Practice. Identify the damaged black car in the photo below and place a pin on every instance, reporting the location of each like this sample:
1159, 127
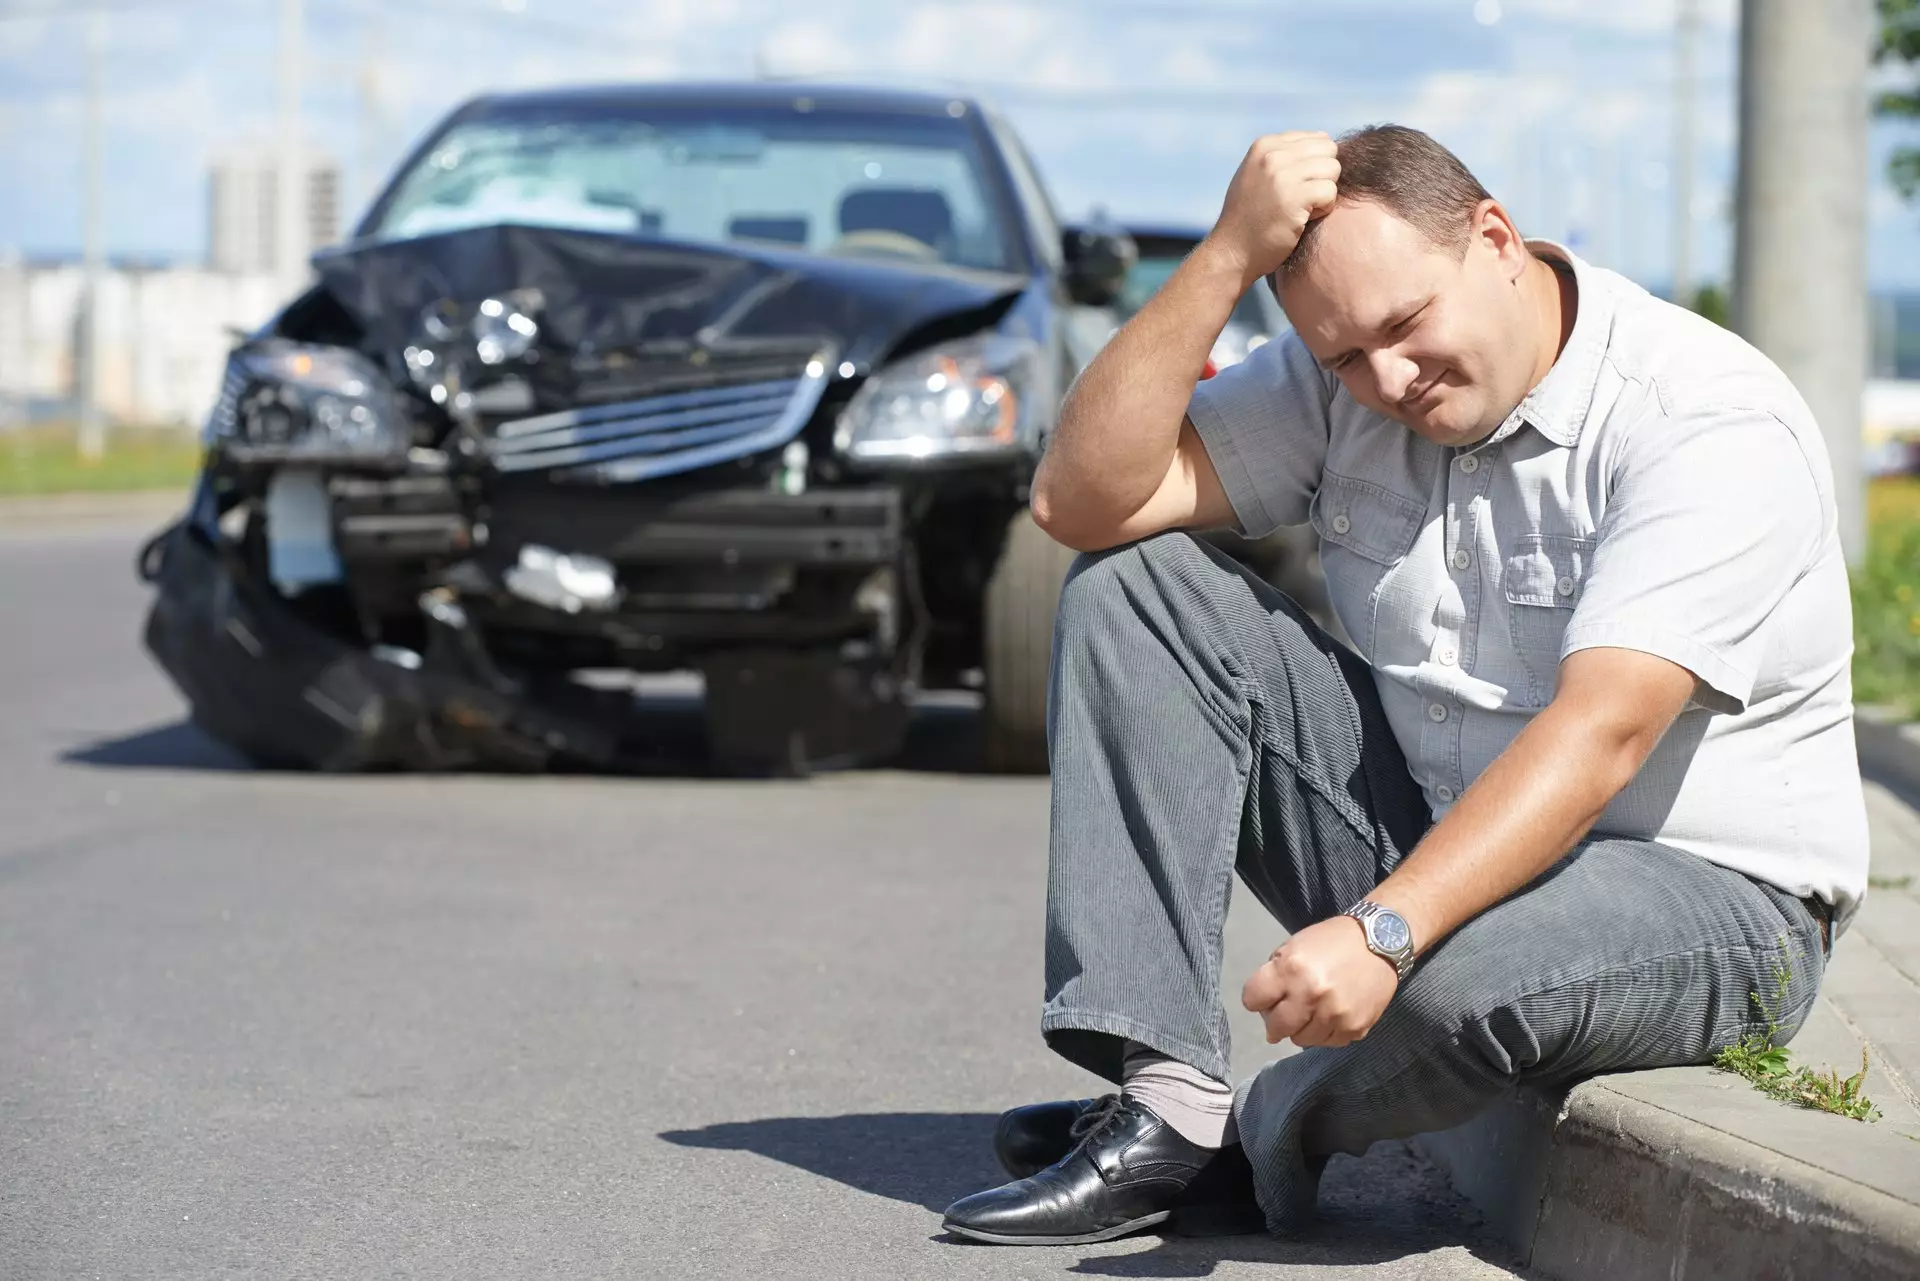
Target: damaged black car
743, 380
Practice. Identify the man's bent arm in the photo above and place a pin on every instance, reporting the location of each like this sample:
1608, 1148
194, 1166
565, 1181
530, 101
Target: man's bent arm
1543, 793
1120, 464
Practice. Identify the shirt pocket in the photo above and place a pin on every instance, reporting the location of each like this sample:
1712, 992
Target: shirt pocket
1544, 577
1364, 532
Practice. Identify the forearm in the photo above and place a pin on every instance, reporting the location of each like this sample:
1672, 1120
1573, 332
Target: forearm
1120, 423
1523, 813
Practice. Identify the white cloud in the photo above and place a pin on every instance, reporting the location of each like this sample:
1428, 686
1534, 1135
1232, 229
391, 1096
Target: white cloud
1646, 16
804, 48
23, 36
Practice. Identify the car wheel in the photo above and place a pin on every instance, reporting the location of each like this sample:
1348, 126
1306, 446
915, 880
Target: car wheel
1017, 623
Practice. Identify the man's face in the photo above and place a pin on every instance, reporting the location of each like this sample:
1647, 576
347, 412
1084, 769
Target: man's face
1436, 342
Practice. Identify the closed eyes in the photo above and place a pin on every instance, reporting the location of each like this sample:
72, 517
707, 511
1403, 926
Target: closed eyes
1395, 329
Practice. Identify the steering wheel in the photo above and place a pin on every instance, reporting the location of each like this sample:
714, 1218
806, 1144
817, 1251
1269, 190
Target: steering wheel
891, 244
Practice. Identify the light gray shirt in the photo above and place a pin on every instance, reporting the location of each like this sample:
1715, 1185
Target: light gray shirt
1663, 489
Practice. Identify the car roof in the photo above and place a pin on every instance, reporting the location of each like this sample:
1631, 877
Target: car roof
1164, 231
739, 93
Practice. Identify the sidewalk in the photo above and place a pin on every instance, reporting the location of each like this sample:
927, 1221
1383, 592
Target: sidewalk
1692, 1173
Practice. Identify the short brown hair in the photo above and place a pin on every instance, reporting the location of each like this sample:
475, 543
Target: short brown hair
1408, 174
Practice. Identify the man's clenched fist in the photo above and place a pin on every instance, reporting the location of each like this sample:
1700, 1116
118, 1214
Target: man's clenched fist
1286, 180
1323, 986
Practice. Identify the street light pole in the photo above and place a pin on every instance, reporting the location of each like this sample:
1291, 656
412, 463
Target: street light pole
1800, 261
86, 365
290, 195
371, 125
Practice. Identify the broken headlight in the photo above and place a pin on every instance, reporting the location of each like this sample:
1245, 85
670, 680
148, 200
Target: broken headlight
961, 400
286, 401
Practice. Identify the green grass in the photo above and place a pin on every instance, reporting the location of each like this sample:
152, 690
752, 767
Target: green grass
1770, 1067
46, 460
1886, 599
1889, 882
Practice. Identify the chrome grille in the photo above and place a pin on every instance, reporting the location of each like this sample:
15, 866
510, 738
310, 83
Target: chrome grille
660, 435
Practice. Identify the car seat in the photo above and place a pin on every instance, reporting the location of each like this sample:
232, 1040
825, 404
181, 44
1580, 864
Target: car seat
920, 213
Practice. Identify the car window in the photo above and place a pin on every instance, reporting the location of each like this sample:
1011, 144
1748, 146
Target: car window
865, 185
1032, 192
1147, 275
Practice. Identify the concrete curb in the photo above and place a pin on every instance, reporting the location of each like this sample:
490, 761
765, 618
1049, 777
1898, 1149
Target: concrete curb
1602, 1184
1889, 750
28, 511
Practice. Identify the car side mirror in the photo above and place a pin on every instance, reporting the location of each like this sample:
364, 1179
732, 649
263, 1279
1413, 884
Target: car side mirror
1098, 260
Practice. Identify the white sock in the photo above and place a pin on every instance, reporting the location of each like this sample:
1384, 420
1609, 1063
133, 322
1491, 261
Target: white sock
1198, 1107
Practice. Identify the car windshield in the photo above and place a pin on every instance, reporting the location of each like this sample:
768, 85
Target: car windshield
850, 184
1151, 271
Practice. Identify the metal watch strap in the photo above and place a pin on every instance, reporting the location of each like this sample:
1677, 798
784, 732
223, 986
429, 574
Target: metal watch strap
1364, 911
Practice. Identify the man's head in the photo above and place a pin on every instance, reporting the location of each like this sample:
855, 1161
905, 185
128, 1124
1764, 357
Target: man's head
1415, 289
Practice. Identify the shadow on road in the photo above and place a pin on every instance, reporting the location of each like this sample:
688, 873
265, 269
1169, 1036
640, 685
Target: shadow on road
1374, 1210
931, 1159
667, 740
178, 746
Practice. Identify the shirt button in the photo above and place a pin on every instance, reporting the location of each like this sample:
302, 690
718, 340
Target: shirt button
1444, 792
1463, 558
1448, 657
1341, 524
1470, 464
1436, 713
1564, 587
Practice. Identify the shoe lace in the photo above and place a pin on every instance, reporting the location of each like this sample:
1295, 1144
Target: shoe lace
1096, 1118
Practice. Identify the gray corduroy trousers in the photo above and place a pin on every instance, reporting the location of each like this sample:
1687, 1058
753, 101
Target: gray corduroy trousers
1202, 725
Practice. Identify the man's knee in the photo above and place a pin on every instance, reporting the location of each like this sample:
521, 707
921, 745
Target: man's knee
1101, 584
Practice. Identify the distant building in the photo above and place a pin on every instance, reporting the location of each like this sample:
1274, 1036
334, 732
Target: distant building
243, 201
164, 336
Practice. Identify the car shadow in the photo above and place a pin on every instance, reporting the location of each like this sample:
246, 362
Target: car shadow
666, 739
1373, 1210
180, 746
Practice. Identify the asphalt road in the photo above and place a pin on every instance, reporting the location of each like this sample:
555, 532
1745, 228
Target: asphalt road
279, 1025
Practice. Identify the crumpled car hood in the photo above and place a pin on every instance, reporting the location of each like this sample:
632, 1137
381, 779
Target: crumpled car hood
604, 293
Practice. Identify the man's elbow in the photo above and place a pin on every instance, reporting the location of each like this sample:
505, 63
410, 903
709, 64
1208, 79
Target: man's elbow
1060, 527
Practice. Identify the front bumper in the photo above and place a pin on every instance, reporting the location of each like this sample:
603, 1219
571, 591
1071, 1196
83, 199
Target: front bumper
703, 573
263, 680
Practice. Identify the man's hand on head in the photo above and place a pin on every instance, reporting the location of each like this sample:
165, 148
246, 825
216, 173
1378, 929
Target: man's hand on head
1323, 986
1285, 181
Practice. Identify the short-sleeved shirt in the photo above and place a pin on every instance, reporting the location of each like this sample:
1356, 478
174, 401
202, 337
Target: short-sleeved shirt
1663, 489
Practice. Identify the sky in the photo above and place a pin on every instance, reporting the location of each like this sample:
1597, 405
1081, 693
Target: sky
1563, 108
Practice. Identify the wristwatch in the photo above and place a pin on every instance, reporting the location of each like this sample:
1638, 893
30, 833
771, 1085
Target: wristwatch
1388, 935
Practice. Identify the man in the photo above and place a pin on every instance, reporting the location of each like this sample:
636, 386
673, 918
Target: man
1588, 781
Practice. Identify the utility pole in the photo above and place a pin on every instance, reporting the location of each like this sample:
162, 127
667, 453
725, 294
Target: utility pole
290, 187
371, 125
1686, 39
86, 364
1800, 262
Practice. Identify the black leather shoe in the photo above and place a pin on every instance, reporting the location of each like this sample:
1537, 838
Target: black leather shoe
1127, 1170
1031, 1138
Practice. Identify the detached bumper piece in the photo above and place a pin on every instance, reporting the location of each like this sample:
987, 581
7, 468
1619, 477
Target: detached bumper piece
262, 680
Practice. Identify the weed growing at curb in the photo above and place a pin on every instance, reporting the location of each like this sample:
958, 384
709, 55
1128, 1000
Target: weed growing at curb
1769, 1068
1889, 882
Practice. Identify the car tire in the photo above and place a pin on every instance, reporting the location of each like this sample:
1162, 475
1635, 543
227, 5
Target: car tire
1017, 644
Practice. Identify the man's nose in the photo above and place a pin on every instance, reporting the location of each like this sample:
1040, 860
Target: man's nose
1393, 374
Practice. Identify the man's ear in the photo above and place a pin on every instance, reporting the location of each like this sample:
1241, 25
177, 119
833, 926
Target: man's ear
1493, 228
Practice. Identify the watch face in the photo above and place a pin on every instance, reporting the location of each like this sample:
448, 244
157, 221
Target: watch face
1390, 931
